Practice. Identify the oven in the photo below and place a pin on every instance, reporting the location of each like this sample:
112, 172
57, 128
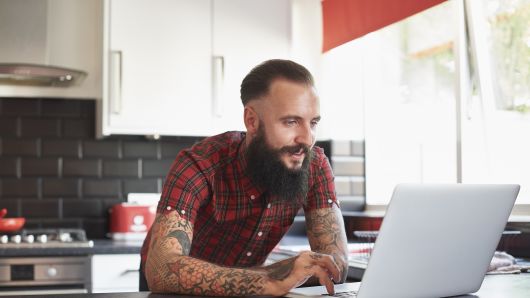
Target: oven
44, 275
36, 261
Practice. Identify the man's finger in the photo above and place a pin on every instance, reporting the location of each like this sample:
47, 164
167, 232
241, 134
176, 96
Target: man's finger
323, 279
327, 262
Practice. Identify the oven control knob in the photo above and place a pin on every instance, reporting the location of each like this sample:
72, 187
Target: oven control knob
65, 237
52, 272
16, 238
4, 239
42, 238
29, 239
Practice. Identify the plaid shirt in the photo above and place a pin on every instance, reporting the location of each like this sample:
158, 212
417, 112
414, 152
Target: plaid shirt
234, 222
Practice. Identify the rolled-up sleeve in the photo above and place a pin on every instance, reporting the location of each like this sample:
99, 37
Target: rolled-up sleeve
322, 192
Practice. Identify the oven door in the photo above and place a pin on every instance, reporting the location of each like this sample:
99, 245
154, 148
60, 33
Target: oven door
44, 275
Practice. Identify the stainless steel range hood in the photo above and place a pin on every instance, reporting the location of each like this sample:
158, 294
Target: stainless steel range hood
51, 48
39, 75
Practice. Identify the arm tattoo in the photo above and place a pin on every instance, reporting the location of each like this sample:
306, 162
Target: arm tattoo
183, 240
201, 278
326, 234
281, 269
169, 269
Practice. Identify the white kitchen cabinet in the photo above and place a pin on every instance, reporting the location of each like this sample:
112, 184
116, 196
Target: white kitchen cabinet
115, 273
245, 33
157, 63
174, 67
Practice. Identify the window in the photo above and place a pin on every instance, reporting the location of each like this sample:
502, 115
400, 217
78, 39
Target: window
410, 102
418, 122
494, 132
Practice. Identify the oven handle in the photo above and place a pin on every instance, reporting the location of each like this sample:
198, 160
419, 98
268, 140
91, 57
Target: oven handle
44, 292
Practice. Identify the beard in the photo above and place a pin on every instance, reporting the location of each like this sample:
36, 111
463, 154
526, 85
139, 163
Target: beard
266, 169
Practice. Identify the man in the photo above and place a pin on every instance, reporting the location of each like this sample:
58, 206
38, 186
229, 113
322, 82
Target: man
229, 199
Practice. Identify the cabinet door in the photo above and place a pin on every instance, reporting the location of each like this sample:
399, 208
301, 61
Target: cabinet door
115, 273
245, 33
158, 61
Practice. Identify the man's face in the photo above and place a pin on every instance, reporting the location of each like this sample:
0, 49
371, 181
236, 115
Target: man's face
289, 113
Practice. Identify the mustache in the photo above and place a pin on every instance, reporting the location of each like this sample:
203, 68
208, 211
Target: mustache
295, 149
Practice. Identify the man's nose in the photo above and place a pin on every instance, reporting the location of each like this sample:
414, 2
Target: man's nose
305, 135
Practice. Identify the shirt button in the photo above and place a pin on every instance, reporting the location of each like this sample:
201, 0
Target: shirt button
182, 211
260, 234
168, 207
269, 205
330, 201
252, 197
249, 254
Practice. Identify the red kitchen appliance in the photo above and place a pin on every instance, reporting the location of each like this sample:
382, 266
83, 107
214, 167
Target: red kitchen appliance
131, 221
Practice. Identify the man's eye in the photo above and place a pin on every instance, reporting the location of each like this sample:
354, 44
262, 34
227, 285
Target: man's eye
290, 122
314, 123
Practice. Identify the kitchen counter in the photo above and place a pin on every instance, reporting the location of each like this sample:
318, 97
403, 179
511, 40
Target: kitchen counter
494, 286
100, 247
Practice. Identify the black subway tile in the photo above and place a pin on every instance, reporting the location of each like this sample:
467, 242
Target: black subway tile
101, 188
60, 108
78, 128
81, 168
156, 168
58, 147
171, 149
21, 107
60, 187
30, 166
121, 168
43, 127
101, 149
71, 223
25, 187
20, 147
40, 208
82, 208
8, 167
88, 108
12, 206
140, 149
95, 228
8, 127
137, 185
106, 204
33, 223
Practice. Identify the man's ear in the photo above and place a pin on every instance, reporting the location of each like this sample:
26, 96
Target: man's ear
251, 120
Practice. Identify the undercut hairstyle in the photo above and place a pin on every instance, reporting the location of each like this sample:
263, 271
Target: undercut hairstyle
258, 80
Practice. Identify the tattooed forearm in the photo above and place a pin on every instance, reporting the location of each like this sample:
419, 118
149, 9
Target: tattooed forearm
201, 278
281, 269
169, 269
326, 234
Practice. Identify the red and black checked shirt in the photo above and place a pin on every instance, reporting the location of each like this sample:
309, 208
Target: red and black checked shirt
234, 222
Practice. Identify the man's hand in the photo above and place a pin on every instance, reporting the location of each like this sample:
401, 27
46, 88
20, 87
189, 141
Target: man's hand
293, 272
326, 235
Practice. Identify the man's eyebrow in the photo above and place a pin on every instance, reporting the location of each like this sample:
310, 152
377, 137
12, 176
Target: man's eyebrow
298, 118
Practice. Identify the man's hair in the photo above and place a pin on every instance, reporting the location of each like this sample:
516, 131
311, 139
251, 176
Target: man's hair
259, 79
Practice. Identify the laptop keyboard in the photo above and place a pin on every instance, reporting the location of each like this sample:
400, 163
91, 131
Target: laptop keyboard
345, 294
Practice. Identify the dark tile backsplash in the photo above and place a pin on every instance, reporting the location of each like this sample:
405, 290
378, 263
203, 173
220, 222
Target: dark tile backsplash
56, 174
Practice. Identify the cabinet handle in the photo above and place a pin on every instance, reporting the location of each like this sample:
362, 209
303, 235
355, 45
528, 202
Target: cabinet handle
218, 75
115, 81
128, 271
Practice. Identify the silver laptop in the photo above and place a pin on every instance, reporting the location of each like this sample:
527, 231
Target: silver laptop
436, 240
